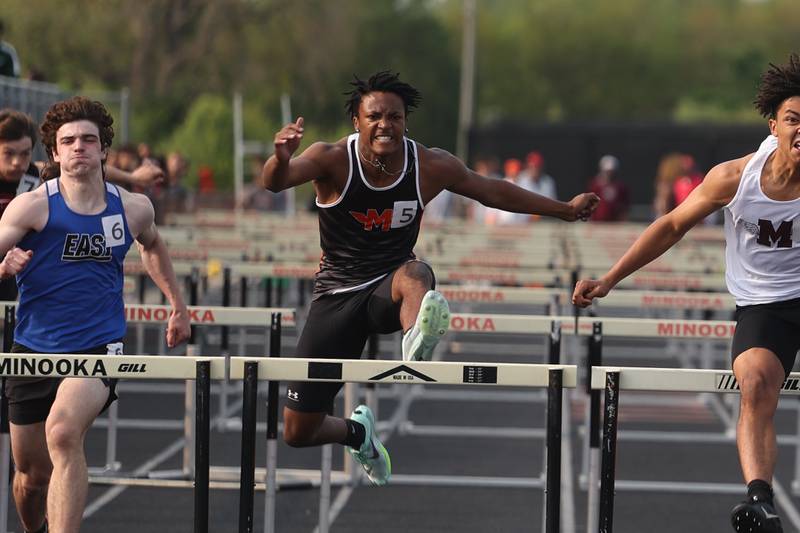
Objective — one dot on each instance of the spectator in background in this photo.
(143, 151)
(489, 167)
(205, 180)
(687, 181)
(535, 180)
(175, 197)
(513, 173)
(614, 197)
(670, 168)
(9, 60)
(256, 197)
(127, 158)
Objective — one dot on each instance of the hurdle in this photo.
(409, 373)
(613, 380)
(153, 314)
(199, 369)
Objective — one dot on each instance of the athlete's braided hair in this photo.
(777, 84)
(383, 81)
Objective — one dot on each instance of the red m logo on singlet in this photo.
(372, 218)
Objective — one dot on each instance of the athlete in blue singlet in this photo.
(65, 242)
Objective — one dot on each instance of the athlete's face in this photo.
(78, 149)
(786, 127)
(381, 122)
(15, 158)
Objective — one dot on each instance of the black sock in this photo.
(355, 434)
(759, 490)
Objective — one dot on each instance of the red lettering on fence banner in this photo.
(188, 254)
(490, 262)
(660, 281)
(694, 329)
(161, 314)
(473, 323)
(294, 272)
(477, 295)
(680, 302)
(482, 276)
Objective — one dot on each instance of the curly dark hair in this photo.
(777, 84)
(383, 81)
(14, 125)
(71, 110)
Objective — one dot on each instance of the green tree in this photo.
(206, 138)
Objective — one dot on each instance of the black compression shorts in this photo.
(338, 327)
(773, 326)
(30, 399)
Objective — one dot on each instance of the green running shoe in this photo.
(372, 455)
(432, 323)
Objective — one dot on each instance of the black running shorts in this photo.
(773, 326)
(338, 327)
(30, 399)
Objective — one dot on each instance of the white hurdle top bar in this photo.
(106, 366)
(679, 380)
(428, 373)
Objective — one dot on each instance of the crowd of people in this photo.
(163, 179)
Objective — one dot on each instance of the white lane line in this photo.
(145, 467)
(177, 446)
(787, 507)
(400, 414)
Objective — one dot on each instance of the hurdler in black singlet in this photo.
(368, 232)
(11, 189)
(8, 191)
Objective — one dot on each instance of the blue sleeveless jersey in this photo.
(70, 294)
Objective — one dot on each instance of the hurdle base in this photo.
(108, 469)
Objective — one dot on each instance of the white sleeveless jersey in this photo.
(762, 239)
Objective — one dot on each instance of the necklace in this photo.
(379, 165)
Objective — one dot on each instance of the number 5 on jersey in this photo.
(403, 213)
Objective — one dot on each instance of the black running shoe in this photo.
(755, 517)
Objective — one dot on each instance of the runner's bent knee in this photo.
(299, 429)
(416, 271)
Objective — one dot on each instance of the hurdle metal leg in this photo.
(5, 439)
(224, 347)
(593, 358)
(203, 429)
(325, 489)
(5, 460)
(607, 478)
(272, 429)
(553, 487)
(248, 458)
